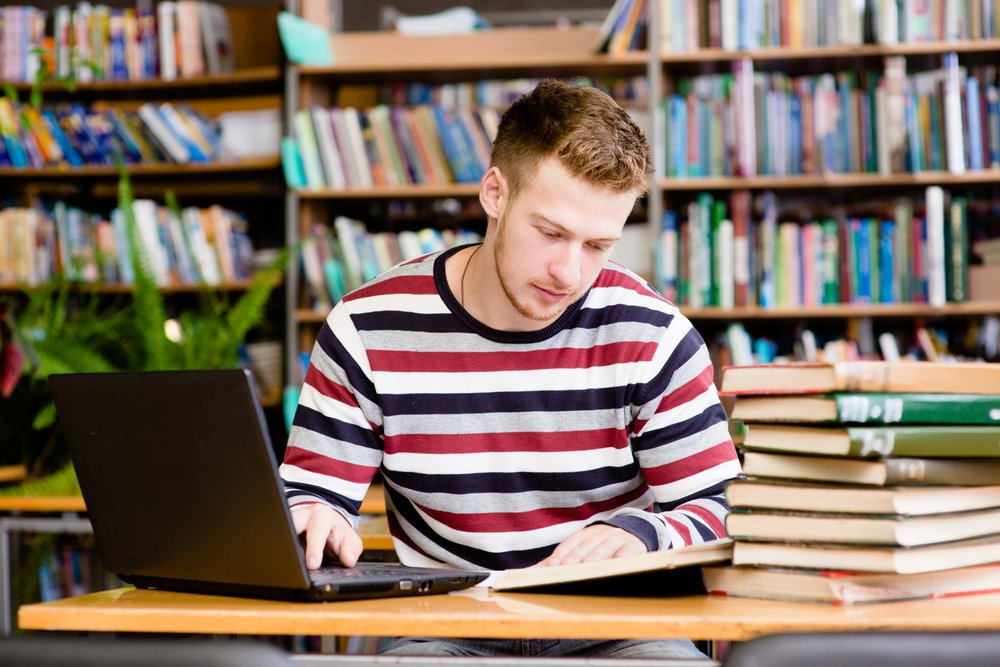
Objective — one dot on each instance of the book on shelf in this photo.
(840, 587)
(189, 46)
(758, 525)
(216, 37)
(166, 24)
(862, 558)
(792, 495)
(875, 376)
(947, 441)
(893, 471)
(612, 570)
(871, 408)
(97, 42)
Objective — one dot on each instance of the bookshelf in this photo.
(364, 62)
(255, 83)
(810, 195)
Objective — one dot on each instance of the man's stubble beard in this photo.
(499, 255)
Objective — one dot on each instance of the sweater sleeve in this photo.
(335, 444)
(681, 440)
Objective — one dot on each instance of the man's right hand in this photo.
(326, 529)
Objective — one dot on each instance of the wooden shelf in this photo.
(237, 286)
(143, 170)
(307, 316)
(372, 56)
(210, 83)
(831, 181)
(411, 191)
(42, 504)
(845, 311)
(782, 53)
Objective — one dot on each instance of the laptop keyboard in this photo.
(359, 571)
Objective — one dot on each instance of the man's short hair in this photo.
(582, 127)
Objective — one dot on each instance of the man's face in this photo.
(552, 241)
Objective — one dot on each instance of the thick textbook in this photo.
(887, 376)
(913, 500)
(962, 553)
(871, 408)
(565, 577)
(899, 471)
(873, 529)
(839, 587)
(876, 441)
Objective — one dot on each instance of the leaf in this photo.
(248, 311)
(45, 418)
(147, 300)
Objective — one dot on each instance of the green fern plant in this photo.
(211, 335)
(90, 335)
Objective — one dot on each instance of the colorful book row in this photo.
(719, 254)
(690, 25)
(75, 136)
(338, 259)
(625, 28)
(197, 246)
(738, 347)
(501, 93)
(96, 42)
(389, 146)
(747, 123)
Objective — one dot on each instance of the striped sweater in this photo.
(494, 446)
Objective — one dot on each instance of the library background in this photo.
(178, 191)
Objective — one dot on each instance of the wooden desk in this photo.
(65, 514)
(480, 613)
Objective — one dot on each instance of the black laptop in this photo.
(182, 488)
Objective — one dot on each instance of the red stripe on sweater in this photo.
(681, 529)
(691, 465)
(329, 388)
(485, 362)
(396, 285)
(474, 443)
(612, 278)
(500, 522)
(317, 463)
(691, 390)
(707, 518)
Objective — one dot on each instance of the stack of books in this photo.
(861, 486)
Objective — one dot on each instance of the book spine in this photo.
(921, 441)
(889, 408)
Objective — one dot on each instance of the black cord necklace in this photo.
(461, 299)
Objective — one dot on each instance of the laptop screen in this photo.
(179, 476)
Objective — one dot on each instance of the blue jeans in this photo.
(579, 648)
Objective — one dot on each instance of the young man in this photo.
(526, 400)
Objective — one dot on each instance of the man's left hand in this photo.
(598, 542)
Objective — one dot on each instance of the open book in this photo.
(613, 570)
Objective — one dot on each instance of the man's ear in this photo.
(491, 192)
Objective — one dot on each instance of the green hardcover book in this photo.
(903, 212)
(831, 260)
(919, 441)
(957, 247)
(873, 472)
(718, 215)
(872, 408)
